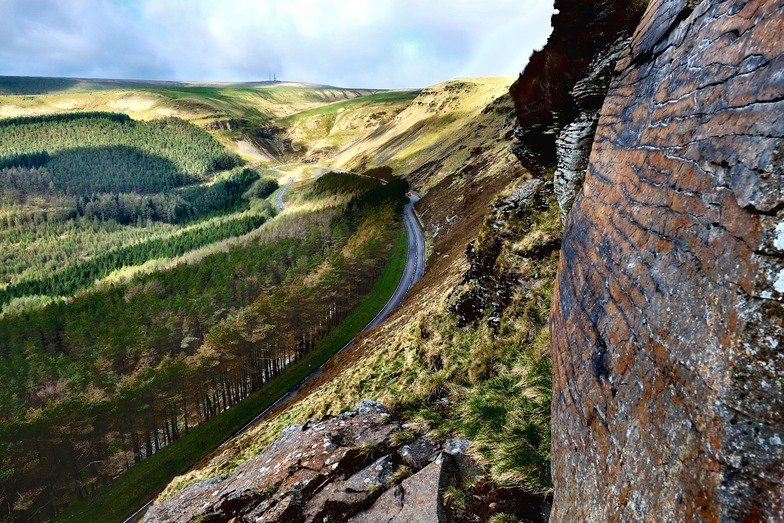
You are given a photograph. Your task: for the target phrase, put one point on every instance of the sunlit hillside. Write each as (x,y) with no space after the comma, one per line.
(438,130)
(147,100)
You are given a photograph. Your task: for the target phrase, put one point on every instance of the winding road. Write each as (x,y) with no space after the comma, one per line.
(413,271)
(415,265)
(279,196)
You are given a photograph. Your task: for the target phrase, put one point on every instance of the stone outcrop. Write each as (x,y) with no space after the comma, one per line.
(568,77)
(574,142)
(667,323)
(486,287)
(415,499)
(346,468)
(232,124)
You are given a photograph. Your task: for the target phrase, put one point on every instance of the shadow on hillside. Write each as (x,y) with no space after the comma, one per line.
(114,169)
(21,85)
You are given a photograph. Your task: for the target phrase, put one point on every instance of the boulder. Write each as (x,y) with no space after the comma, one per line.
(276,484)
(340,498)
(329,470)
(417,498)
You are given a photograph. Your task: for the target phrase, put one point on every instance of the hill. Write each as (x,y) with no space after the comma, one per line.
(29,96)
(241,116)
(32,85)
(624,367)
(449,140)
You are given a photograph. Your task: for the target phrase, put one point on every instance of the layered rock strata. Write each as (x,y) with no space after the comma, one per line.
(574,142)
(577,59)
(667,321)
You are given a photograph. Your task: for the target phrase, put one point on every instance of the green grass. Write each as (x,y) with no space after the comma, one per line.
(234,102)
(259,103)
(490,386)
(143,481)
(373,99)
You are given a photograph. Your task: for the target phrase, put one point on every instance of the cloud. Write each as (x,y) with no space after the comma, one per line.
(357,43)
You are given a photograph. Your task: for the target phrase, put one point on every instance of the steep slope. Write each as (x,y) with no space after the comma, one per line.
(468,353)
(427,140)
(440,379)
(667,322)
(318,133)
(239,115)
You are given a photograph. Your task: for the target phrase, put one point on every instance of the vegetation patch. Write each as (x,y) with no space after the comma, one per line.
(82,194)
(488,381)
(142,482)
(171,350)
(109,152)
(80,275)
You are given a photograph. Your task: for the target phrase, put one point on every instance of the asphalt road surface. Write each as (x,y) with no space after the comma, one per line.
(279,196)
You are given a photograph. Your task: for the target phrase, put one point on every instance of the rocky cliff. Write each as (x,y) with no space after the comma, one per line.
(667,320)
(488,381)
(564,84)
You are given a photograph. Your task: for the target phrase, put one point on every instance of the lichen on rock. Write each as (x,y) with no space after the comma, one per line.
(343,468)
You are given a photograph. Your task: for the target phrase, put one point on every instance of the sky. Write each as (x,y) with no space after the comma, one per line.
(346,43)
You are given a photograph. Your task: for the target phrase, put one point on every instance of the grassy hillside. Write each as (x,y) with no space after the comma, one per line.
(239,115)
(148,100)
(431,128)
(320,132)
(484,377)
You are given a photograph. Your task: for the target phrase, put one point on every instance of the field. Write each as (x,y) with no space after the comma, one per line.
(262,101)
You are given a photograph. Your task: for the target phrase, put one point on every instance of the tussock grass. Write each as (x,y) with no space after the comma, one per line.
(491,386)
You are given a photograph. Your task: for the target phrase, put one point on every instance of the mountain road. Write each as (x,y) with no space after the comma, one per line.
(413,271)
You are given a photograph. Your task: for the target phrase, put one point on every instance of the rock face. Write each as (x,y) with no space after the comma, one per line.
(415,499)
(567,78)
(668,323)
(574,142)
(340,469)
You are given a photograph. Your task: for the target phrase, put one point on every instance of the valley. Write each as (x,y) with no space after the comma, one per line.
(189,257)
(555,297)
(181,270)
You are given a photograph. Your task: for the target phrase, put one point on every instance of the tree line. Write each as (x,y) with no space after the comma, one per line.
(109,153)
(90,387)
(83,274)
(180,206)
(64,117)
(60,175)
